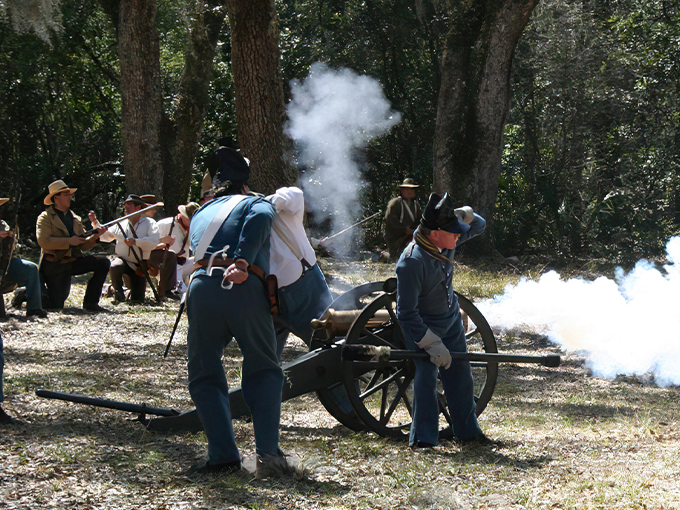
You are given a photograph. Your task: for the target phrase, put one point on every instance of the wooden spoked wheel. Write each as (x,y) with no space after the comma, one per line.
(381,394)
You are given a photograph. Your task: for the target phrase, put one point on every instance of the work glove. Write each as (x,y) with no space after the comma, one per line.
(465,214)
(433,345)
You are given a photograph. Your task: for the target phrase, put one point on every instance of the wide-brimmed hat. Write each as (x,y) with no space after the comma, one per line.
(4,200)
(440,214)
(136,199)
(57,187)
(409,183)
(151,200)
(188,210)
(232,167)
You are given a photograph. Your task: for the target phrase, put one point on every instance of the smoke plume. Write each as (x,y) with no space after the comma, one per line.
(332,115)
(628,326)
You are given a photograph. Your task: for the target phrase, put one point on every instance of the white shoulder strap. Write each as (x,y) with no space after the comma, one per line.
(215,225)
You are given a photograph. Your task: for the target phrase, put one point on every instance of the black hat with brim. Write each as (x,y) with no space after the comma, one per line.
(232,167)
(439,214)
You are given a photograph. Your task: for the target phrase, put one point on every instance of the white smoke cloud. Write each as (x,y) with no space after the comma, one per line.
(630,325)
(334,113)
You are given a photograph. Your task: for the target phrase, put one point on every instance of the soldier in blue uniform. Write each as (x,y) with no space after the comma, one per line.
(429,315)
(217,314)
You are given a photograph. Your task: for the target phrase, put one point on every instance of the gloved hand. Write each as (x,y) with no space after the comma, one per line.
(465,214)
(433,345)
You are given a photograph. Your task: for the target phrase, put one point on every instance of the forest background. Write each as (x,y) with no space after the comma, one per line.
(590,162)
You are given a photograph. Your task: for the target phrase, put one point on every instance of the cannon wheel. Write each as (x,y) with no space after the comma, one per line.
(334,398)
(382,396)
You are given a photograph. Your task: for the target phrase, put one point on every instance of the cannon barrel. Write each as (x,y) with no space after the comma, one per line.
(378,354)
(338,322)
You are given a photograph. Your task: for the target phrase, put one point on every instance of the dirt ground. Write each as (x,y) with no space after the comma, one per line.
(565,438)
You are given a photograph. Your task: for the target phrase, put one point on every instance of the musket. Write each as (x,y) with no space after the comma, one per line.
(10,240)
(328,238)
(118,220)
(142,268)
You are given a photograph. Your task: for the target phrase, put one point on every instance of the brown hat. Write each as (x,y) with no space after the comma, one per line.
(136,199)
(188,210)
(4,200)
(151,200)
(409,183)
(57,187)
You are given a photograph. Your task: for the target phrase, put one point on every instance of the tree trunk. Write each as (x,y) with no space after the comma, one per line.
(260,110)
(474,101)
(182,131)
(139,54)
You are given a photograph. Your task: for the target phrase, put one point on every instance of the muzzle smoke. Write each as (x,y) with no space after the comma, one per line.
(628,326)
(333,114)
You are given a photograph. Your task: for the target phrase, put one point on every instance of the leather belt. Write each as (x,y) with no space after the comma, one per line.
(220,262)
(53,258)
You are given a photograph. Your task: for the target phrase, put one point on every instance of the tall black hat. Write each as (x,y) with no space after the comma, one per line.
(231,166)
(439,214)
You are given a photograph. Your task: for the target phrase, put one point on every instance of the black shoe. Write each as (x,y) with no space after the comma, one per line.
(226,468)
(421,445)
(5,419)
(38,312)
(480,440)
(93,307)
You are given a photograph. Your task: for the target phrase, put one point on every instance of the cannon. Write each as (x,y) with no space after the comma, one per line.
(358,366)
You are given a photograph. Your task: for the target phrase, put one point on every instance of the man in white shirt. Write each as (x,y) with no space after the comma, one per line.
(303,292)
(135,240)
(172,249)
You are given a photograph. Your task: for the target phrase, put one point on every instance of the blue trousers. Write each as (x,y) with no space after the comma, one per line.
(215,317)
(303,300)
(458,388)
(25,273)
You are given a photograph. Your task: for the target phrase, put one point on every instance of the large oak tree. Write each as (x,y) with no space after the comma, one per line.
(474,99)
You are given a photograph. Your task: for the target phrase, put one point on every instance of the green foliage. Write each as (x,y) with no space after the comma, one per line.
(60,111)
(590,165)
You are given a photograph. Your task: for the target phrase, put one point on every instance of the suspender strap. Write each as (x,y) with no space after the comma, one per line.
(215,225)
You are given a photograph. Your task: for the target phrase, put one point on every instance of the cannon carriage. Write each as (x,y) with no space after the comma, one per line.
(357,365)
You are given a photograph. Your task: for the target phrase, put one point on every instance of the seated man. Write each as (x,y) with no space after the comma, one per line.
(59,232)
(430,319)
(172,249)
(22,272)
(135,238)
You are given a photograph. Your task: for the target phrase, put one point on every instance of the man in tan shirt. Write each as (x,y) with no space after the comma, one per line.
(59,232)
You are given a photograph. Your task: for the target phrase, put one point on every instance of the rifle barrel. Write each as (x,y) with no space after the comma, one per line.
(350,227)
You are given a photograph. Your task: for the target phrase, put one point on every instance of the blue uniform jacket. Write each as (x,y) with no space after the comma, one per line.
(246,230)
(425,296)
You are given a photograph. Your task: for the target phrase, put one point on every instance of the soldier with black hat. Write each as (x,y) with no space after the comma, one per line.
(59,232)
(401,218)
(430,318)
(227,299)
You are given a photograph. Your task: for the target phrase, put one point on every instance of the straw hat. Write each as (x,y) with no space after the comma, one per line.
(188,210)
(57,187)
(4,200)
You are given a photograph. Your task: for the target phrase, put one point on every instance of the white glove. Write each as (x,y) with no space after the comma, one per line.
(465,214)
(433,345)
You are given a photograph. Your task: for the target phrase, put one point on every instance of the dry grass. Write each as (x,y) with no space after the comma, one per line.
(569,440)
